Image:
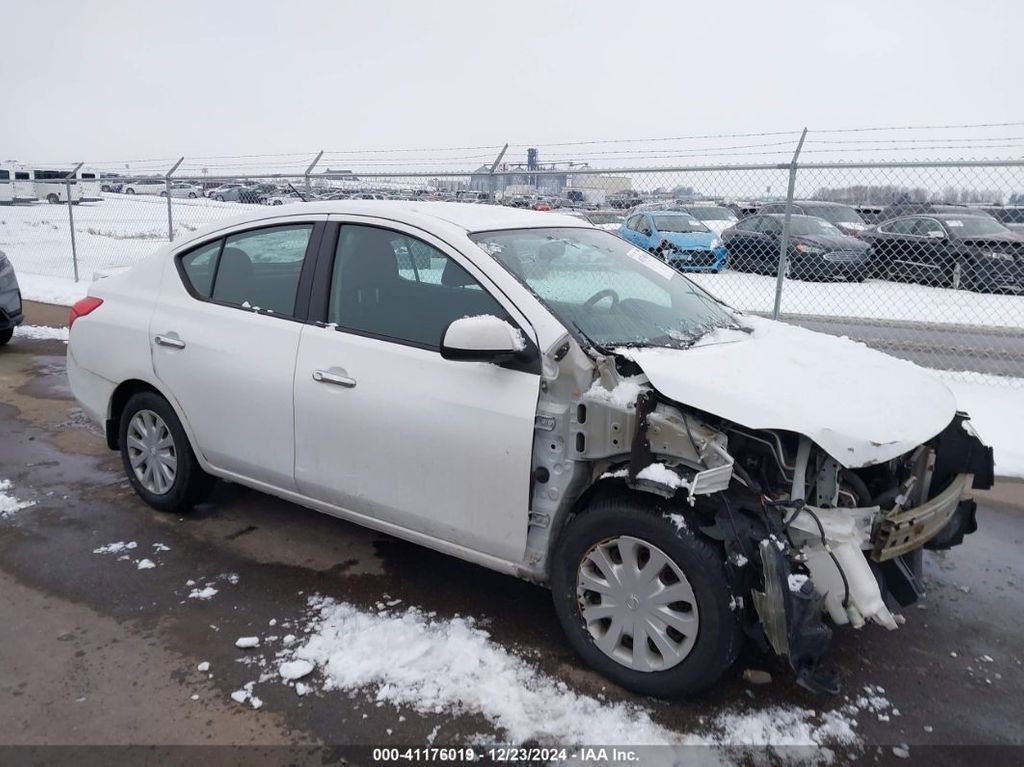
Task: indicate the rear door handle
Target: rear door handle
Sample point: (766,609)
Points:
(168,341)
(322,376)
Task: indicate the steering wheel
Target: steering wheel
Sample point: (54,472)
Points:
(600,296)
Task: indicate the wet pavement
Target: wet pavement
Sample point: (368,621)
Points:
(95,651)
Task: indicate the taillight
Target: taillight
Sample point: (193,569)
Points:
(81,308)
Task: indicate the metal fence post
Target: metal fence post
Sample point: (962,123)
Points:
(493,187)
(167,190)
(71,217)
(309,186)
(784,244)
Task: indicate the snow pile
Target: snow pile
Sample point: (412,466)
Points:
(663,475)
(207,592)
(9,503)
(49,289)
(115,548)
(623,395)
(41,333)
(433,665)
(997,414)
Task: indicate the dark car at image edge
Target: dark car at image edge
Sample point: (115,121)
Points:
(11,314)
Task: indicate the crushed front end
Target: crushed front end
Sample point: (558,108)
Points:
(808,542)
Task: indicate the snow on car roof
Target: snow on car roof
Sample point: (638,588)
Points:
(466,216)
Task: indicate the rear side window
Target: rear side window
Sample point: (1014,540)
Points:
(199,266)
(260,269)
(5,175)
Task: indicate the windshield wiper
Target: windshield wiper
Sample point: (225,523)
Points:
(590,341)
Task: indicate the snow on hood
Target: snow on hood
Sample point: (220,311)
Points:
(861,406)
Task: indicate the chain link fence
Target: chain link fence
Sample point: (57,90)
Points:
(922,259)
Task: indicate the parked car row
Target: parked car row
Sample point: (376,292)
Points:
(939,245)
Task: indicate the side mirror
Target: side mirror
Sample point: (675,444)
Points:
(485,338)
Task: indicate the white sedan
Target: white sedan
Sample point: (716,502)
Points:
(532,394)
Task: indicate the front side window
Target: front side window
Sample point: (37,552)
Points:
(391,285)
(5,175)
(603,288)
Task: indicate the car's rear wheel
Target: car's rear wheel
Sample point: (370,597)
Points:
(191,195)
(644,600)
(52,198)
(219,198)
(129,190)
(6,335)
(157,456)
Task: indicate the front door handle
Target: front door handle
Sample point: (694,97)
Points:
(173,343)
(322,376)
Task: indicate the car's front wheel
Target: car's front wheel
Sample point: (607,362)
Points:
(6,335)
(644,599)
(157,457)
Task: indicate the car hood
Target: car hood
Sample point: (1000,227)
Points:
(688,240)
(832,242)
(860,406)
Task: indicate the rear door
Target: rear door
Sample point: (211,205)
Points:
(389,430)
(224,337)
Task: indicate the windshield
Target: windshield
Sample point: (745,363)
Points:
(681,223)
(808,225)
(837,214)
(975,226)
(712,213)
(606,290)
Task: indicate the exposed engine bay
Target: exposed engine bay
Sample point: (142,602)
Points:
(804,537)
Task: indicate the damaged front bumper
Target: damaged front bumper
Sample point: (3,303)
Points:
(860,562)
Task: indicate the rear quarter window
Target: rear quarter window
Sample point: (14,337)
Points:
(199,267)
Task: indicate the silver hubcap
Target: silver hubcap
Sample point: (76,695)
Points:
(637,604)
(151,452)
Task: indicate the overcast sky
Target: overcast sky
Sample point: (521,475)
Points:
(128,80)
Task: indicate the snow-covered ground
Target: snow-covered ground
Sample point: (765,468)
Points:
(997,414)
(121,230)
(414,661)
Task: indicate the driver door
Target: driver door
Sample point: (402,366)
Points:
(387,429)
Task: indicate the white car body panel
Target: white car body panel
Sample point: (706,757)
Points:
(148,186)
(859,405)
(419,441)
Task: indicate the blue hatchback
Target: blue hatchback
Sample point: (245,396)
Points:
(676,237)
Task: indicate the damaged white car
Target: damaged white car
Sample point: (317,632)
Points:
(535,395)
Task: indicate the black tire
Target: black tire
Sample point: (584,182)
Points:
(719,634)
(191,484)
(6,335)
(163,194)
(52,198)
(129,190)
(219,198)
(191,195)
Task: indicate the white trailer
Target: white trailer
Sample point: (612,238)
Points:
(89,180)
(16,184)
(52,185)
